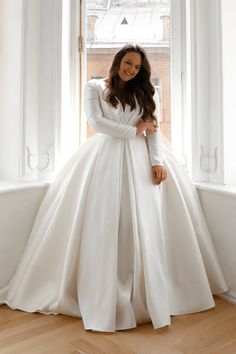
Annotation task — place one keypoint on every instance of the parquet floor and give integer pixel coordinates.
(208, 332)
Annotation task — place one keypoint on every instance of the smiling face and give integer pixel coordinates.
(129, 66)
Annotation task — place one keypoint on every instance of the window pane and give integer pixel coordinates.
(111, 24)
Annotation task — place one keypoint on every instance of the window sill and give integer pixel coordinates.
(229, 190)
(6, 186)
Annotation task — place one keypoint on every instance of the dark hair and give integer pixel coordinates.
(140, 87)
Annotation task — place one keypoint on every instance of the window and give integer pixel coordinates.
(43, 122)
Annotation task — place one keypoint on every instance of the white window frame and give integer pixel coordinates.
(177, 79)
(205, 95)
(209, 97)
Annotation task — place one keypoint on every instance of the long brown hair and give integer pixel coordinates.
(140, 87)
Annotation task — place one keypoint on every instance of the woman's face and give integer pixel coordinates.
(129, 66)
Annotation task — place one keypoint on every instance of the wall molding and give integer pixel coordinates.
(230, 297)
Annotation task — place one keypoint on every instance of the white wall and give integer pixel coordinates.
(18, 209)
(10, 87)
(220, 212)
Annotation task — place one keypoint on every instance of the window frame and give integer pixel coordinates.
(204, 98)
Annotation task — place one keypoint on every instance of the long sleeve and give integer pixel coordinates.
(98, 122)
(155, 147)
(154, 139)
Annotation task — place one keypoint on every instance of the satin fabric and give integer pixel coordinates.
(110, 246)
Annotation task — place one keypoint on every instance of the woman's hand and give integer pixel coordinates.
(149, 125)
(159, 174)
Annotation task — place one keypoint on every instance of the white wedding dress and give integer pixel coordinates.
(110, 246)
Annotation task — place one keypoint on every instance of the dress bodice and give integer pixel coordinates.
(118, 113)
(116, 121)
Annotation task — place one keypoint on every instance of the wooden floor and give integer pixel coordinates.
(208, 332)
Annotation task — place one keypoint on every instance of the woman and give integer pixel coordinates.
(115, 242)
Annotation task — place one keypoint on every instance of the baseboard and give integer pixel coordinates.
(229, 297)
